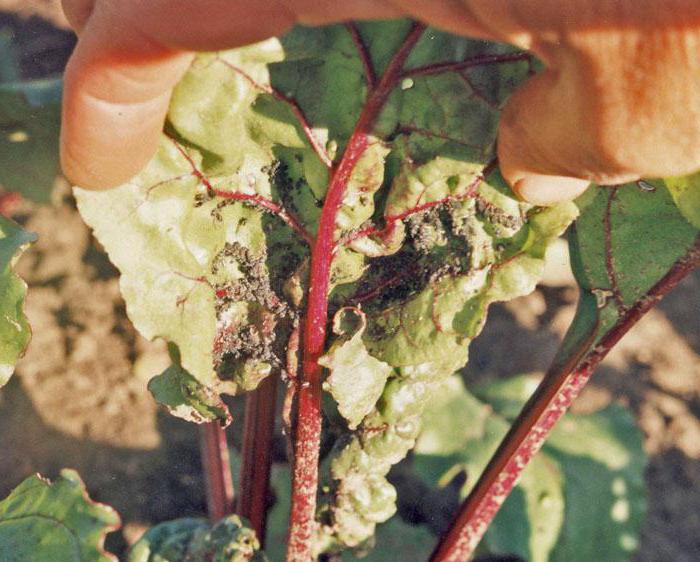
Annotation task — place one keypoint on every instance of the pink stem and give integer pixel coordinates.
(252, 199)
(217, 470)
(452, 66)
(308, 428)
(258, 435)
(561, 385)
(277, 210)
(390, 220)
(363, 52)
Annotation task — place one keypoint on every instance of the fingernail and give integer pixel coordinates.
(548, 190)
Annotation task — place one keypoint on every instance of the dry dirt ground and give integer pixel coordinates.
(78, 397)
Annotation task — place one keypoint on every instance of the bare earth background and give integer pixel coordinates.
(79, 396)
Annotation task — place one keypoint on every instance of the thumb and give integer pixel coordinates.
(613, 106)
(541, 143)
(116, 91)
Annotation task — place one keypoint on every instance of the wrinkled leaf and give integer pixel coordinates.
(14, 328)
(212, 239)
(261, 123)
(356, 379)
(582, 498)
(194, 274)
(43, 521)
(197, 540)
(396, 540)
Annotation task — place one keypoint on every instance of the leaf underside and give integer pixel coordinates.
(212, 238)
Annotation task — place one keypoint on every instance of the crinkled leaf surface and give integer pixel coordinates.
(14, 328)
(356, 379)
(395, 539)
(582, 498)
(208, 235)
(197, 540)
(30, 117)
(212, 239)
(46, 521)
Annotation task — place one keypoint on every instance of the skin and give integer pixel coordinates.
(620, 98)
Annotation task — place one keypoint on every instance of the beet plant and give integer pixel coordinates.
(326, 212)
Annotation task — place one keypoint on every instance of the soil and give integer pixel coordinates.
(78, 397)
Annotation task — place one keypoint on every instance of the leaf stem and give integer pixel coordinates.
(609, 257)
(390, 220)
(363, 52)
(457, 66)
(308, 428)
(258, 435)
(250, 198)
(563, 382)
(276, 209)
(315, 143)
(217, 470)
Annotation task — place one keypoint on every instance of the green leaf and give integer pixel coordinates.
(30, 117)
(184, 397)
(197, 540)
(530, 520)
(603, 463)
(278, 515)
(625, 241)
(686, 194)
(14, 328)
(396, 540)
(45, 522)
(582, 498)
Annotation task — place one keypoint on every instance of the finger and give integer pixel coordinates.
(77, 12)
(613, 107)
(208, 25)
(132, 53)
(451, 15)
(313, 12)
(120, 77)
(540, 142)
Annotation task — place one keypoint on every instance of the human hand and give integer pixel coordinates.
(620, 98)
